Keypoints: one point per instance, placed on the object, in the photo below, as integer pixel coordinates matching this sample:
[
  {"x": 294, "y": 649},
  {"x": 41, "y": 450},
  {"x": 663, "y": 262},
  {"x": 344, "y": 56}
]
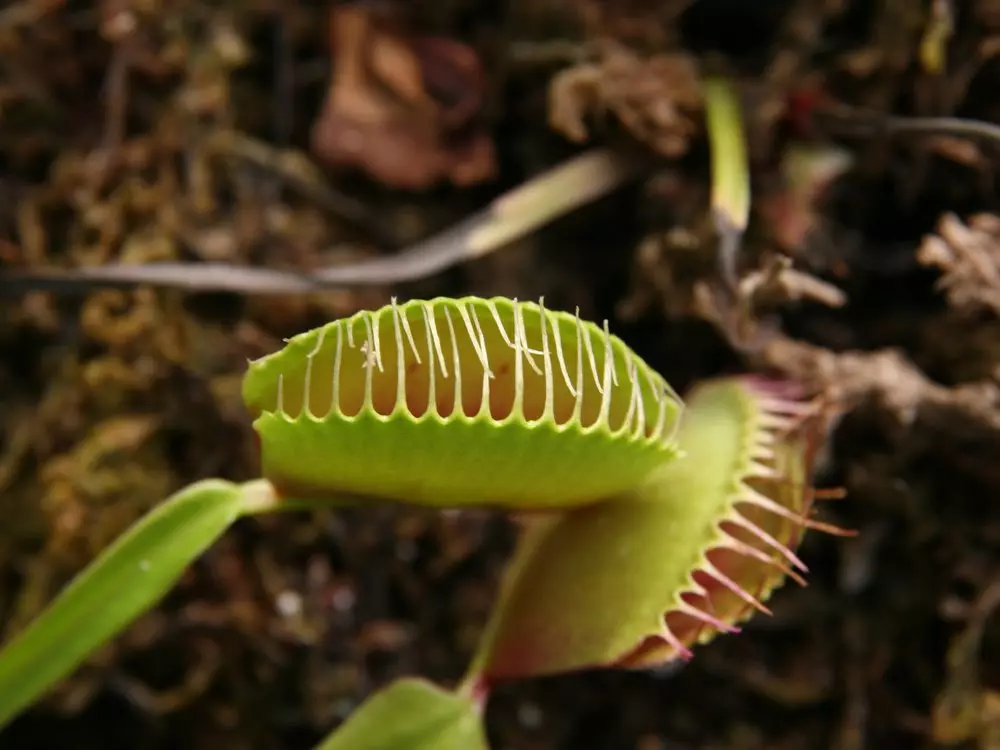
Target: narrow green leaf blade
[
  {"x": 730, "y": 169},
  {"x": 411, "y": 714},
  {"x": 122, "y": 583}
]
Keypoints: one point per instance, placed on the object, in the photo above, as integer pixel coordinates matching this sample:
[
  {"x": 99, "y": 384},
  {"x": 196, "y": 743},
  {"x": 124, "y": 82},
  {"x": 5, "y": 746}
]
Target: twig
[
  {"x": 849, "y": 122},
  {"x": 512, "y": 215},
  {"x": 298, "y": 173}
]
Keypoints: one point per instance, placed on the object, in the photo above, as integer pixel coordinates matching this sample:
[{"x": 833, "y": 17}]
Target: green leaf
[
  {"x": 122, "y": 583},
  {"x": 730, "y": 169},
  {"x": 411, "y": 714}
]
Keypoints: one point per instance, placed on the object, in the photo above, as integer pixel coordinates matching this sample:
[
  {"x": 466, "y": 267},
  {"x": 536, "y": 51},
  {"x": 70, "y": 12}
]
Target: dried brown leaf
[{"x": 401, "y": 108}]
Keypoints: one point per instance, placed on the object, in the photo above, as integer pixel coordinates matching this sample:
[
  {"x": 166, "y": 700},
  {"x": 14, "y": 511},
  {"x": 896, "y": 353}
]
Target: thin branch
[{"x": 511, "y": 216}]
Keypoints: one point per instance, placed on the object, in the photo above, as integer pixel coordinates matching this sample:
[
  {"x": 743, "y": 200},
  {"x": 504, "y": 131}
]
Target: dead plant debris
[
  {"x": 403, "y": 108},
  {"x": 968, "y": 256},
  {"x": 656, "y": 99}
]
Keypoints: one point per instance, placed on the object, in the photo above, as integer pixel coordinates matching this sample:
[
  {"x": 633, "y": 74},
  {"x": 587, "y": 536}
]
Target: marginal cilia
[
  {"x": 454, "y": 365},
  {"x": 769, "y": 506},
  {"x": 689, "y": 553}
]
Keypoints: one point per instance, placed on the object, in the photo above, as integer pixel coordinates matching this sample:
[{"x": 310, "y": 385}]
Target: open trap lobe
[
  {"x": 475, "y": 358},
  {"x": 461, "y": 402}
]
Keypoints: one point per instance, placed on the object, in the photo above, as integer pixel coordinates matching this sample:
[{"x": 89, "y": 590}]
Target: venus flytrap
[
  {"x": 665, "y": 526},
  {"x": 461, "y": 402},
  {"x": 640, "y": 578},
  {"x": 686, "y": 555}
]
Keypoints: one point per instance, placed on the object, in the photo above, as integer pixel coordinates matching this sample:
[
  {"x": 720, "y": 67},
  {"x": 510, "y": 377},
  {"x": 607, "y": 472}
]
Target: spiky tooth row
[
  {"x": 643, "y": 577},
  {"x": 778, "y": 411},
  {"x": 610, "y": 388}
]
